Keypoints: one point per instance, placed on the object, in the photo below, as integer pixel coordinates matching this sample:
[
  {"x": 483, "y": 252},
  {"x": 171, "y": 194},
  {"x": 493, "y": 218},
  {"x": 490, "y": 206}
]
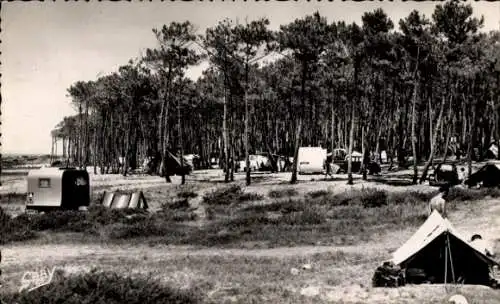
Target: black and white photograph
[{"x": 249, "y": 151}]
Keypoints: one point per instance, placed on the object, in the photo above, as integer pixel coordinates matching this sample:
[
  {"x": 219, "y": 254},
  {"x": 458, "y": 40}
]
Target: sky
[{"x": 46, "y": 47}]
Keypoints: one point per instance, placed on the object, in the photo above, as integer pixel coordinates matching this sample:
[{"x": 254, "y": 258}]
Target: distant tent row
[
  {"x": 437, "y": 253},
  {"x": 120, "y": 200}
]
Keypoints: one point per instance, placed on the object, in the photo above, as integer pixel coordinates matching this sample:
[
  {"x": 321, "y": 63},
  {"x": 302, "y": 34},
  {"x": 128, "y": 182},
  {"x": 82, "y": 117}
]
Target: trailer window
[{"x": 43, "y": 183}]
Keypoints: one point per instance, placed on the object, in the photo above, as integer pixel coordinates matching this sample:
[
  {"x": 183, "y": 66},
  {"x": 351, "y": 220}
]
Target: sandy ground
[{"x": 482, "y": 217}]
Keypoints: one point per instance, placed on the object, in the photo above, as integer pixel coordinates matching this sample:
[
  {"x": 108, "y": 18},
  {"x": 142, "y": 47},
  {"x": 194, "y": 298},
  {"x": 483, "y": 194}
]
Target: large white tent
[{"x": 443, "y": 254}]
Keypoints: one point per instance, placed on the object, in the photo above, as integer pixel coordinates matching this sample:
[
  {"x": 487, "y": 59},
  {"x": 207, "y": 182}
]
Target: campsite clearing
[{"x": 251, "y": 271}]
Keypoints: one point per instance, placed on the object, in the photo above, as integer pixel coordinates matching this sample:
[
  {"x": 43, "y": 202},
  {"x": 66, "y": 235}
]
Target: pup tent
[
  {"x": 488, "y": 175},
  {"x": 174, "y": 166},
  {"x": 436, "y": 253},
  {"x": 120, "y": 200}
]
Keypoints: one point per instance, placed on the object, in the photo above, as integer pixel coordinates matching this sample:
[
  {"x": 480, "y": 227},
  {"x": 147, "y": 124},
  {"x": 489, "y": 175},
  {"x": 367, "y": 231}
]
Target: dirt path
[{"x": 22, "y": 254}]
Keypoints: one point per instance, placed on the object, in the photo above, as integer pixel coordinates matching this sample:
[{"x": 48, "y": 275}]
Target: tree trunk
[
  {"x": 247, "y": 154},
  {"x": 87, "y": 135},
  {"x": 79, "y": 144},
  {"x": 433, "y": 142},
  {"x": 296, "y": 150},
  {"x": 447, "y": 142},
  {"x": 364, "y": 152},
  {"x": 183, "y": 177},
  {"x": 413, "y": 134},
  {"x": 351, "y": 131},
  {"x": 95, "y": 155},
  {"x": 225, "y": 139},
  {"x": 298, "y": 133},
  {"x": 333, "y": 130},
  {"x": 471, "y": 141}
]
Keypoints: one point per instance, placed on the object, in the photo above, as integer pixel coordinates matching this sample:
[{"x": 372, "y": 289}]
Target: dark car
[{"x": 445, "y": 174}]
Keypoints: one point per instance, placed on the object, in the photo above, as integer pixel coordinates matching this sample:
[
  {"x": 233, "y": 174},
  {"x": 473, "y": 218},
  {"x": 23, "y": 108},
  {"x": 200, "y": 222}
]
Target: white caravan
[{"x": 311, "y": 160}]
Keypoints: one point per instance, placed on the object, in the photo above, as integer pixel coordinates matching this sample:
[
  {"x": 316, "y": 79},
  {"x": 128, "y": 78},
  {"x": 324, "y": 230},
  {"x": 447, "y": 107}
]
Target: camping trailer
[
  {"x": 57, "y": 188},
  {"x": 311, "y": 160}
]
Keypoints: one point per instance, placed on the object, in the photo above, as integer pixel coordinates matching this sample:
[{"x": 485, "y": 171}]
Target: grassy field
[{"x": 318, "y": 241}]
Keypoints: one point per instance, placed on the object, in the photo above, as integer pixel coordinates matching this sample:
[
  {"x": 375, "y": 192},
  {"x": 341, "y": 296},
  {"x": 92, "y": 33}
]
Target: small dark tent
[
  {"x": 439, "y": 254},
  {"x": 488, "y": 175},
  {"x": 492, "y": 152},
  {"x": 174, "y": 165}
]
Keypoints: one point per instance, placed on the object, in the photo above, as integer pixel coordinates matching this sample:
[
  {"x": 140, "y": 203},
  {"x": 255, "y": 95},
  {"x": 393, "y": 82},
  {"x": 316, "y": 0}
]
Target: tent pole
[
  {"x": 446, "y": 261},
  {"x": 451, "y": 259}
]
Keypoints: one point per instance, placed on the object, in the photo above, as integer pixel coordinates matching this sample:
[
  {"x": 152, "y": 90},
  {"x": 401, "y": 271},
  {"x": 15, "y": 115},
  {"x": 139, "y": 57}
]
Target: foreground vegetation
[
  {"x": 102, "y": 288},
  {"x": 234, "y": 218}
]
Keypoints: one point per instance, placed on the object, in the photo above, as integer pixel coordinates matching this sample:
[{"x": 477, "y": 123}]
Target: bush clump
[
  {"x": 373, "y": 198},
  {"x": 175, "y": 204},
  {"x": 283, "y": 206},
  {"x": 12, "y": 230},
  {"x": 279, "y": 193},
  {"x": 306, "y": 217},
  {"x": 463, "y": 194},
  {"x": 187, "y": 194},
  {"x": 414, "y": 197},
  {"x": 223, "y": 196},
  {"x": 103, "y": 288},
  {"x": 12, "y": 198},
  {"x": 250, "y": 196},
  {"x": 366, "y": 197},
  {"x": 318, "y": 193}
]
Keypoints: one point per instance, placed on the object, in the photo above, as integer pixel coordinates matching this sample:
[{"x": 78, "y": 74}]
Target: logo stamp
[{"x": 32, "y": 280}]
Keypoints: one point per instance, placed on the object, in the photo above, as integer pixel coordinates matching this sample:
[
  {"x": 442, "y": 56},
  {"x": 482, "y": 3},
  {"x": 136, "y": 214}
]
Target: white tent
[{"x": 441, "y": 252}]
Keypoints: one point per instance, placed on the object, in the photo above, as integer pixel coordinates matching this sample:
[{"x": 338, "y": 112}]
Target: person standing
[
  {"x": 462, "y": 175},
  {"x": 438, "y": 202}
]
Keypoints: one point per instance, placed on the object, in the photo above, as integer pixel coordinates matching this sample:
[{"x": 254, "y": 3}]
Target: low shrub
[
  {"x": 283, "y": 206},
  {"x": 246, "y": 220},
  {"x": 178, "y": 203},
  {"x": 187, "y": 194},
  {"x": 306, "y": 217},
  {"x": 464, "y": 194},
  {"x": 279, "y": 193},
  {"x": 250, "y": 196},
  {"x": 104, "y": 216},
  {"x": 410, "y": 197},
  {"x": 373, "y": 198},
  {"x": 175, "y": 215},
  {"x": 223, "y": 196},
  {"x": 12, "y": 198},
  {"x": 144, "y": 228},
  {"x": 13, "y": 230},
  {"x": 103, "y": 288},
  {"x": 318, "y": 193},
  {"x": 366, "y": 197},
  {"x": 74, "y": 221}
]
